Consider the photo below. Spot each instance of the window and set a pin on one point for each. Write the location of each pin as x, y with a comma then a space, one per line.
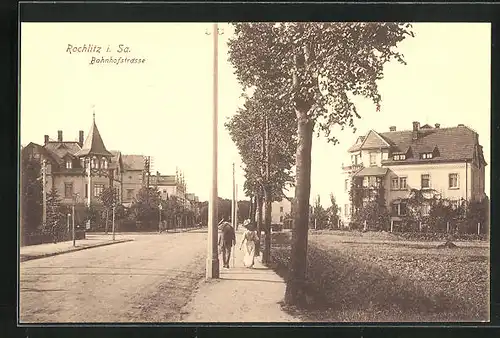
98, 189
281, 209
130, 193
373, 159
94, 162
346, 185
402, 183
86, 190
281, 218
365, 181
399, 157
373, 181
402, 209
426, 209
346, 210
425, 181
104, 163
395, 183
68, 190
385, 156
68, 164
399, 209
426, 156
453, 181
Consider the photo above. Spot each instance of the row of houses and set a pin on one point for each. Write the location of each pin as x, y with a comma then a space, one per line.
447, 163
81, 170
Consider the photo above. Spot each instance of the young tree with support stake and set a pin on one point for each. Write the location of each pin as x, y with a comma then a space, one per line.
316, 68
266, 144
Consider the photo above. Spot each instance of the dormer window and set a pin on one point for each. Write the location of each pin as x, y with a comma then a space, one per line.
426, 156
69, 165
399, 157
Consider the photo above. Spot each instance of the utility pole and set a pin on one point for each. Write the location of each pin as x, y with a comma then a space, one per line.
44, 192
89, 187
159, 215
147, 172
233, 204
236, 206
75, 199
115, 195
212, 268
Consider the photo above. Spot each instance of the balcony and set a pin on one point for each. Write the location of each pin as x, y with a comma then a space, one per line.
352, 167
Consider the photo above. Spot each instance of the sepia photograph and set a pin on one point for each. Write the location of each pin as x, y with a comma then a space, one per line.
254, 172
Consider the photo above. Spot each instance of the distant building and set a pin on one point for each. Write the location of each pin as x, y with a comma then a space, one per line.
448, 162
281, 212
132, 177
68, 162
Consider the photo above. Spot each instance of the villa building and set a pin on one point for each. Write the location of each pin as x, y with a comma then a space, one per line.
441, 162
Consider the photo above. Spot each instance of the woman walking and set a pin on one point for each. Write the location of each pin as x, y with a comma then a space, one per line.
249, 238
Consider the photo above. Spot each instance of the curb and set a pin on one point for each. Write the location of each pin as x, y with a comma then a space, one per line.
29, 258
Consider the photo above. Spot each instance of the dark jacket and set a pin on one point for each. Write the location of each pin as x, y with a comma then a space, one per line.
227, 238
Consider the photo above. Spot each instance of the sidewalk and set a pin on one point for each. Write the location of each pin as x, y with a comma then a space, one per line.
51, 249
240, 295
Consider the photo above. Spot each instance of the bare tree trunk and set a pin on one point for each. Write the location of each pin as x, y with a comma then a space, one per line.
259, 207
295, 290
266, 257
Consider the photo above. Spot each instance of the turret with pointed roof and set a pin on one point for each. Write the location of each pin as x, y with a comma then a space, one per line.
93, 144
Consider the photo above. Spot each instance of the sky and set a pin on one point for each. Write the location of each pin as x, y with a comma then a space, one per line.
163, 106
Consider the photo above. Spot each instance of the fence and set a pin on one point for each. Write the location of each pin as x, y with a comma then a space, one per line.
42, 238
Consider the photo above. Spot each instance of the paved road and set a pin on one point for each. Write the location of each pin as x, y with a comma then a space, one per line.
147, 280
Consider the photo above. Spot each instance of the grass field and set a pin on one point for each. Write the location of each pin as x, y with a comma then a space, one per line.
375, 277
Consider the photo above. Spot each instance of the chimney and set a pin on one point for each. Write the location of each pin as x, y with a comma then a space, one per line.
80, 138
59, 136
416, 127
461, 125
437, 125
392, 128
45, 139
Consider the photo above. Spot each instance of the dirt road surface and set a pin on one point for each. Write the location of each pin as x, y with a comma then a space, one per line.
148, 280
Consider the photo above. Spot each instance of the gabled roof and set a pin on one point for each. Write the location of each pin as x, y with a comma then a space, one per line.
61, 149
133, 162
452, 144
49, 155
372, 171
116, 159
374, 141
93, 144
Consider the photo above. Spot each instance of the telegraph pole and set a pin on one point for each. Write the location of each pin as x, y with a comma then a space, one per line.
212, 268
115, 195
75, 199
233, 206
89, 187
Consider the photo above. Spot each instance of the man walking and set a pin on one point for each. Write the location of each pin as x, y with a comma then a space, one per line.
227, 239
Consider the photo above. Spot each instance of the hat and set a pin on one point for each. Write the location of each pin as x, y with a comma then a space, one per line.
246, 223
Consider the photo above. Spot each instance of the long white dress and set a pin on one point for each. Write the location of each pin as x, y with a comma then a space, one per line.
249, 238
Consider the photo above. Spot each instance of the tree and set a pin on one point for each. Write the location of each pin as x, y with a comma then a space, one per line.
145, 207
316, 68
55, 214
265, 139
333, 212
320, 215
108, 198
31, 196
